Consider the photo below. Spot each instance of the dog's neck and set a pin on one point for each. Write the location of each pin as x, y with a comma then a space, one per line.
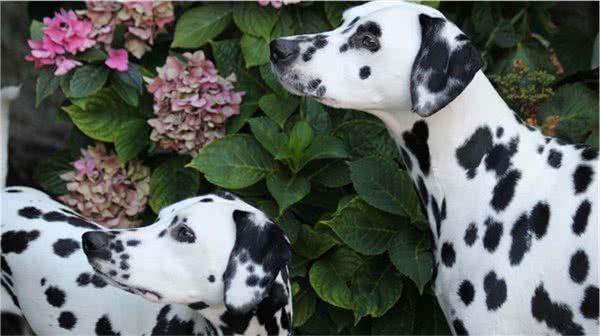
435, 139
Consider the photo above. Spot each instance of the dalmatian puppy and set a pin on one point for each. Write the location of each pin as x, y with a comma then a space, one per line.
514, 214
209, 265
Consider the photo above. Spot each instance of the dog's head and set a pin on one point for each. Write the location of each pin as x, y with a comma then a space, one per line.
203, 251
385, 56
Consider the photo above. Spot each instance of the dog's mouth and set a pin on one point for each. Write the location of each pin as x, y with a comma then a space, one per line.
302, 85
146, 293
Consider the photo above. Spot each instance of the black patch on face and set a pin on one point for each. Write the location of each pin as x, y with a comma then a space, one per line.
321, 91
466, 291
344, 48
83, 279
104, 327
162, 233
30, 212
320, 43
539, 219
211, 278
459, 327
198, 305
125, 276
173, 326
582, 178
554, 158
5, 268
124, 256
416, 142
308, 54
580, 220
17, 241
589, 305
133, 242
557, 316
493, 233
67, 320
495, 291
124, 265
579, 267
252, 280
119, 246
112, 273
78, 222
540, 149
521, 240
206, 200
55, 216
364, 72
505, 190
470, 154
65, 247
448, 254
43, 282
471, 234
55, 296
499, 132
589, 153
423, 191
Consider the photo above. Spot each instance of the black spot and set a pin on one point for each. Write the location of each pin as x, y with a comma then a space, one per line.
321, 91
173, 326
364, 72
42, 282
124, 256
124, 266
344, 47
5, 268
252, 280
495, 291
98, 282
17, 241
65, 247
112, 273
448, 254
206, 200
589, 305
104, 327
30, 212
589, 153
466, 291
423, 191
12, 295
406, 158
84, 279
580, 220
55, 216
211, 278
499, 132
55, 296
436, 215
13, 190
521, 240
579, 267
505, 190
125, 276
307, 55
493, 233
498, 159
540, 149
471, 234
320, 43
539, 219
81, 223
582, 178
119, 246
67, 320
416, 142
557, 316
459, 327
470, 154
314, 84
554, 158
162, 233
198, 305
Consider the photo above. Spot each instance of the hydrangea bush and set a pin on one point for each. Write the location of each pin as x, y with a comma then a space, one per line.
171, 101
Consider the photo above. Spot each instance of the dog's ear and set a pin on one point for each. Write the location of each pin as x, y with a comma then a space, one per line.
260, 251
444, 66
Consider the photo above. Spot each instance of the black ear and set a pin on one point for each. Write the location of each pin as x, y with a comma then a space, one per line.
444, 66
260, 251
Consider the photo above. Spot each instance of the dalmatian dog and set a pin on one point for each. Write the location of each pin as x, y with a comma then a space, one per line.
514, 214
209, 265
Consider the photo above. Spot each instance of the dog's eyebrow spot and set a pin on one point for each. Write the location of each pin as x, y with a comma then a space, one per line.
364, 72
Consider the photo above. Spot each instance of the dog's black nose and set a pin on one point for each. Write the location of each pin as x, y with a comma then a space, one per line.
283, 51
95, 244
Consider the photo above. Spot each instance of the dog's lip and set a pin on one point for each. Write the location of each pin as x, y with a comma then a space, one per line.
147, 293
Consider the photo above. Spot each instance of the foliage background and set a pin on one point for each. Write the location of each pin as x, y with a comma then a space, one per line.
331, 178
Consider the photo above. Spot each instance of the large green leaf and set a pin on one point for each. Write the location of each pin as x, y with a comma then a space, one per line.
48, 173
234, 162
410, 253
304, 305
171, 182
91, 55
324, 147
330, 274
297, 266
88, 80
287, 190
312, 244
201, 24
255, 20
573, 49
383, 185
301, 136
278, 108
269, 78
334, 175
365, 229
333, 11
268, 134
128, 84
255, 50
313, 112
46, 84
400, 320
131, 138
368, 136
236, 123
376, 287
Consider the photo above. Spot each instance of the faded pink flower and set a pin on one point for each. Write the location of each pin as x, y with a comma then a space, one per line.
64, 65
191, 103
117, 59
106, 191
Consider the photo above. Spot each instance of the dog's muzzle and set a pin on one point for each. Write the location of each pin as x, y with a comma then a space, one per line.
96, 245
283, 52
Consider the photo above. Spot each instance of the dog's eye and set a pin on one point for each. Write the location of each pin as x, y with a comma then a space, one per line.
184, 234
369, 41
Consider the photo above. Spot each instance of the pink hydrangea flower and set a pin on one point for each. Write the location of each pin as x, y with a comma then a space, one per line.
106, 191
191, 103
64, 65
117, 59
277, 3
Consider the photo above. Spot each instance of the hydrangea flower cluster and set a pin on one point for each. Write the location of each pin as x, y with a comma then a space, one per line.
277, 3
104, 190
143, 20
191, 103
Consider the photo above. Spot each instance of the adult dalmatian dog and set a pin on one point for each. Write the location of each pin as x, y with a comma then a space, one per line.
514, 214
209, 265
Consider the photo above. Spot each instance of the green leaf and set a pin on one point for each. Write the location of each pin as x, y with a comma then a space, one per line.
285, 26
35, 30
171, 182
300, 138
298, 266
364, 137
88, 80
201, 24
234, 162
267, 133
595, 57
310, 20
376, 287
330, 274
278, 108
255, 20
131, 138
269, 78
48, 173
128, 84
65, 84
99, 115
381, 183
319, 324
334, 175
290, 225
324, 147
118, 36
46, 84
400, 320
333, 11
505, 36
410, 253
236, 123
304, 305
573, 49
91, 55
255, 50
534, 56
287, 190
312, 244
314, 113
365, 229
342, 318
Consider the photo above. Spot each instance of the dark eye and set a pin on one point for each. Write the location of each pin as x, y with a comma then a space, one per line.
184, 234
369, 41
